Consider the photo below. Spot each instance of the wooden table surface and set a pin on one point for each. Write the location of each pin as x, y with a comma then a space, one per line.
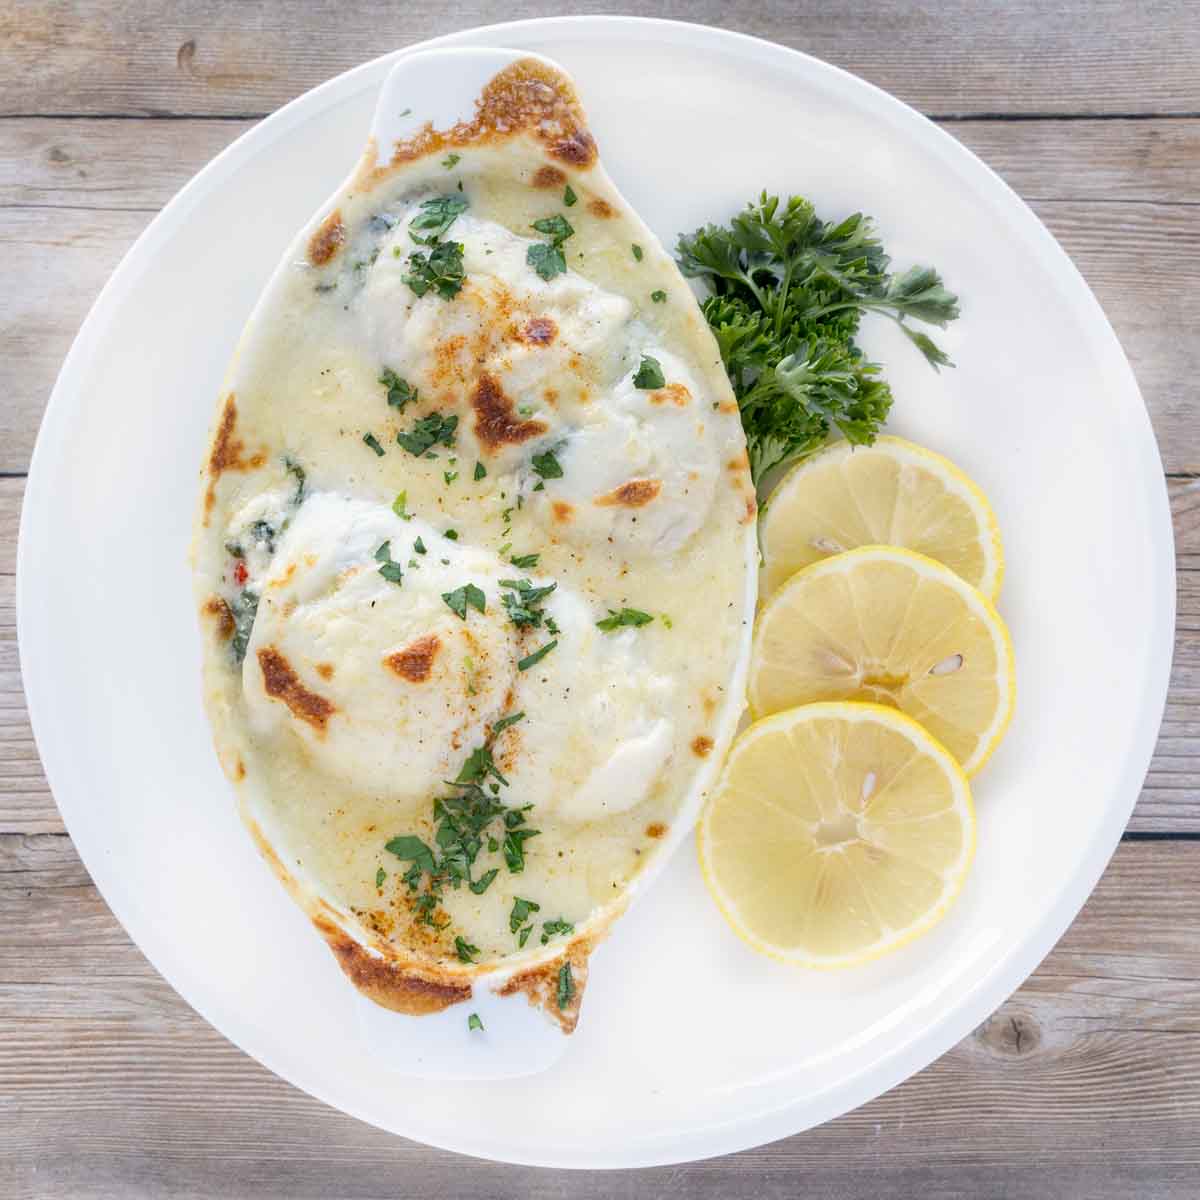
1085, 1084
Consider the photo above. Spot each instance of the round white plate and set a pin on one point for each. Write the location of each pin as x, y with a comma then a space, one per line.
690, 1045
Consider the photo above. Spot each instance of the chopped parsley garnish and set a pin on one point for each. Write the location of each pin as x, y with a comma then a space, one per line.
666, 620
525, 562
399, 393
450, 535
558, 925
481, 885
451, 160
649, 374
514, 848
462, 597
474, 1023
637, 251
373, 442
520, 912
380, 876
479, 766
435, 217
419, 546
480, 471
569, 197
400, 506
387, 568
523, 602
440, 270
557, 228
449, 477
546, 259
547, 465
523, 936
462, 822
465, 951
658, 296
244, 609
626, 616
412, 849
532, 660
432, 430
505, 723
566, 986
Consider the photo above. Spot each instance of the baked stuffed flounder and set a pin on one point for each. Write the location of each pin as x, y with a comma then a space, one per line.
474, 555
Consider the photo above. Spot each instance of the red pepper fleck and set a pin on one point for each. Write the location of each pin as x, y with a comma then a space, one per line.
240, 574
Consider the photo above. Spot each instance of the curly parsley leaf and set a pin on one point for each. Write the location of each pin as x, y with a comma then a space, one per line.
788, 291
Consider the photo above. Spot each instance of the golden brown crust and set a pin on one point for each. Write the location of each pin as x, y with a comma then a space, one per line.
496, 420
226, 453
655, 829
540, 986
601, 208
217, 608
328, 239
637, 493
415, 662
281, 682
538, 331
397, 986
673, 393
702, 746
526, 98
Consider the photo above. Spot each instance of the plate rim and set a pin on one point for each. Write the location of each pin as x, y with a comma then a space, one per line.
993, 987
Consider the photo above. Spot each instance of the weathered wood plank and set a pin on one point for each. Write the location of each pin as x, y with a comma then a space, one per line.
960, 56
1170, 799
141, 164
1141, 259
1083, 1077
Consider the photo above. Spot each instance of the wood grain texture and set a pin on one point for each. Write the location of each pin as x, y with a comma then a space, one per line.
1169, 803
75, 195
111, 1087
959, 56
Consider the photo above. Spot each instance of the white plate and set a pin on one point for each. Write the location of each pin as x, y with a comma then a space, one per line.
690, 1045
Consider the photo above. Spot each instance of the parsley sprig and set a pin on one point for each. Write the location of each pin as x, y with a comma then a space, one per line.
788, 293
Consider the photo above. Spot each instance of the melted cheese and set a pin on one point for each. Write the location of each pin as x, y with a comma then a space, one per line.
359, 695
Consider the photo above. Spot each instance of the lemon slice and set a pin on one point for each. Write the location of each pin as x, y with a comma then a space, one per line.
837, 832
889, 494
889, 626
